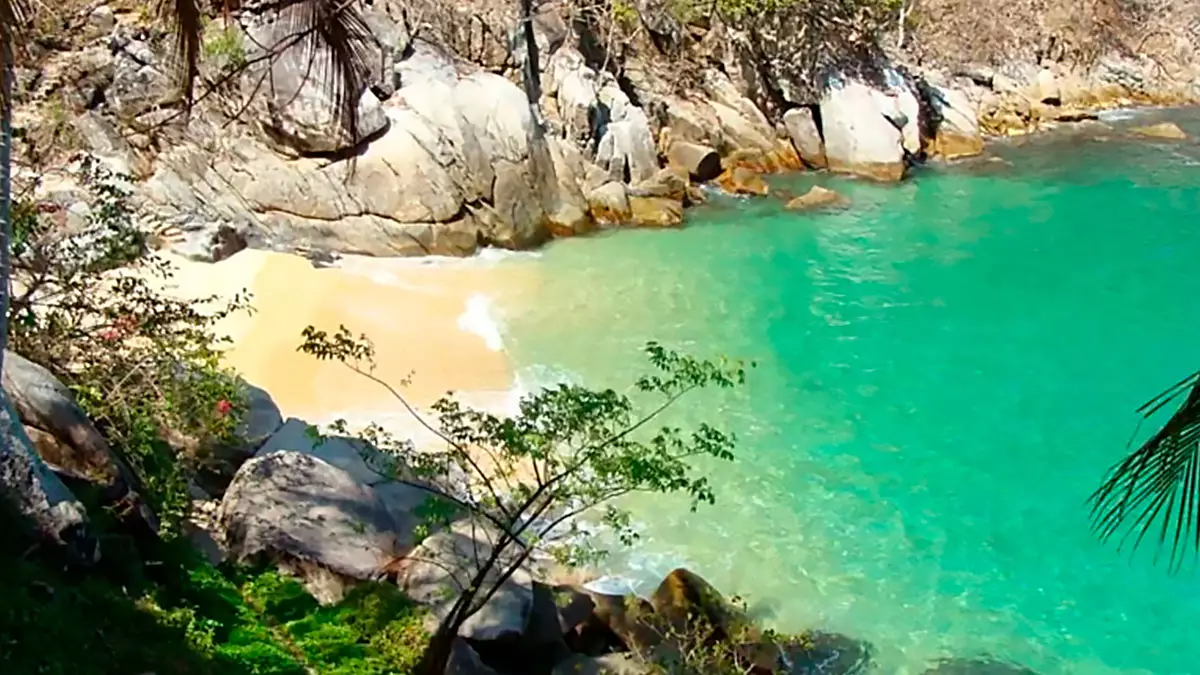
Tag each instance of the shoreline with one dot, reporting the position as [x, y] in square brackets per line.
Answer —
[431, 322]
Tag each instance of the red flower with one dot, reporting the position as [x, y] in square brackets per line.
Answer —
[224, 407]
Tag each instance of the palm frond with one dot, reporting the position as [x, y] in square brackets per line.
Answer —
[186, 20]
[12, 20]
[336, 39]
[1155, 491]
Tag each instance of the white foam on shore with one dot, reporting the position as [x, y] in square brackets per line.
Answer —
[1117, 114]
[479, 318]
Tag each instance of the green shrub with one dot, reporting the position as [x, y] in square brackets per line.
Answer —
[225, 46]
[144, 366]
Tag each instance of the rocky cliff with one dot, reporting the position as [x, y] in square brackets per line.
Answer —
[637, 102]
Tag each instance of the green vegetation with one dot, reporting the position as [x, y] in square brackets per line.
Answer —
[143, 365]
[173, 612]
[1154, 491]
[225, 46]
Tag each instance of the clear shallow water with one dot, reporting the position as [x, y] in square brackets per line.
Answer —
[945, 371]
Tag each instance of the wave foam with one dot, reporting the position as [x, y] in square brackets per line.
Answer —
[1117, 114]
[479, 318]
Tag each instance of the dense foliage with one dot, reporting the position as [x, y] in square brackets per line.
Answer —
[90, 304]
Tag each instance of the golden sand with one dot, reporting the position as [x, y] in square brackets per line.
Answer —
[411, 310]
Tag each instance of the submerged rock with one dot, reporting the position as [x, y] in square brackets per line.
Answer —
[1164, 130]
[816, 198]
[977, 667]
[818, 653]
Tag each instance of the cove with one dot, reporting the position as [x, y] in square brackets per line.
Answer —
[946, 369]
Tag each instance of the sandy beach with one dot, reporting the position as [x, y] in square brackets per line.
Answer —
[428, 319]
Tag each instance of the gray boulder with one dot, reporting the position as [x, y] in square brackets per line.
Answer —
[805, 135]
[436, 573]
[957, 133]
[308, 516]
[39, 495]
[66, 436]
[364, 464]
[860, 135]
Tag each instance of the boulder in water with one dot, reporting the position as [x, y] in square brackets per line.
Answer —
[818, 653]
[742, 181]
[817, 198]
[1164, 130]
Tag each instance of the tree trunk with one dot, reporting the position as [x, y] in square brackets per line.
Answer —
[6, 140]
[532, 74]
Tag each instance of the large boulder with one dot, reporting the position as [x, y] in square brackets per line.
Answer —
[300, 108]
[684, 598]
[609, 204]
[567, 209]
[861, 134]
[437, 572]
[62, 433]
[363, 464]
[957, 134]
[628, 618]
[310, 517]
[905, 109]
[806, 136]
[39, 495]
[626, 150]
[461, 164]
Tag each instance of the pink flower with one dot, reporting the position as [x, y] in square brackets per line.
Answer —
[224, 407]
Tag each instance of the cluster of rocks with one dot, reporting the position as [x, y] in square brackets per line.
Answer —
[449, 155]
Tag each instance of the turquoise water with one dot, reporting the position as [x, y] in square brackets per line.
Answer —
[946, 369]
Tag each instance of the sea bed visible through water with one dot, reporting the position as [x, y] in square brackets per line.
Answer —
[945, 370]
